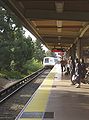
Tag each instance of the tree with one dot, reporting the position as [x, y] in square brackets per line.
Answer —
[6, 39]
[39, 53]
[23, 52]
[14, 47]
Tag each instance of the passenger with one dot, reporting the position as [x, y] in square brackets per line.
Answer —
[83, 70]
[78, 73]
[72, 69]
[63, 65]
[67, 67]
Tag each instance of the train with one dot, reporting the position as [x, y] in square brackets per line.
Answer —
[49, 61]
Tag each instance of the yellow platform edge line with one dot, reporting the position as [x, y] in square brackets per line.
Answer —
[30, 118]
[39, 101]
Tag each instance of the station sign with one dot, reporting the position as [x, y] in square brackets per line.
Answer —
[57, 50]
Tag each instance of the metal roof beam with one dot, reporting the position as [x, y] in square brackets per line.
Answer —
[59, 27]
[53, 15]
[52, 0]
[82, 32]
[63, 41]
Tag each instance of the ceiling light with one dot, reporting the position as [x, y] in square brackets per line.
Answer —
[59, 25]
[59, 37]
[59, 6]
[59, 43]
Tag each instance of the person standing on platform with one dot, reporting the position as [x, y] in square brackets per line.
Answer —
[63, 64]
[72, 69]
[83, 69]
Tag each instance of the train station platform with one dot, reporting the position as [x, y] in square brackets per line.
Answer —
[57, 99]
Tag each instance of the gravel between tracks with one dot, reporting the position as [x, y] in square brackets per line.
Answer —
[11, 107]
[4, 83]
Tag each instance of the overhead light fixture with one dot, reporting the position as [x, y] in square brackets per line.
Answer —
[59, 6]
[59, 38]
[59, 9]
[59, 26]
[59, 30]
[59, 23]
[59, 43]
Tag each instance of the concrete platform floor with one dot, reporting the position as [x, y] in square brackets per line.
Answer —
[67, 102]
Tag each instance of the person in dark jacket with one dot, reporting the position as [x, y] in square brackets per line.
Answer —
[72, 69]
[83, 69]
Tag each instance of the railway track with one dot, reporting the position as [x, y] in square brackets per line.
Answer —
[13, 99]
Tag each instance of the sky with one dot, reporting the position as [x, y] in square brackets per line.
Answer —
[27, 33]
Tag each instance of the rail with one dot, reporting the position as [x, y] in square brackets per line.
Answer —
[6, 93]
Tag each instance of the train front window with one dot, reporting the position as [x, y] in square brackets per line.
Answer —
[47, 60]
[56, 60]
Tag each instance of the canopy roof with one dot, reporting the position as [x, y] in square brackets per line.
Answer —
[57, 23]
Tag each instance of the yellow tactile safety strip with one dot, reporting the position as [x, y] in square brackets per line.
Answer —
[30, 118]
[39, 101]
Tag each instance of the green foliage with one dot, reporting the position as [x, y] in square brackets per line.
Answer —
[13, 45]
[17, 51]
[23, 52]
[11, 74]
[14, 75]
[9, 27]
[2, 75]
[39, 53]
[32, 66]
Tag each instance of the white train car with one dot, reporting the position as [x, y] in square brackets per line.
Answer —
[49, 61]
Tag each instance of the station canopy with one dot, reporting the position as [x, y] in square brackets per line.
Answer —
[57, 23]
